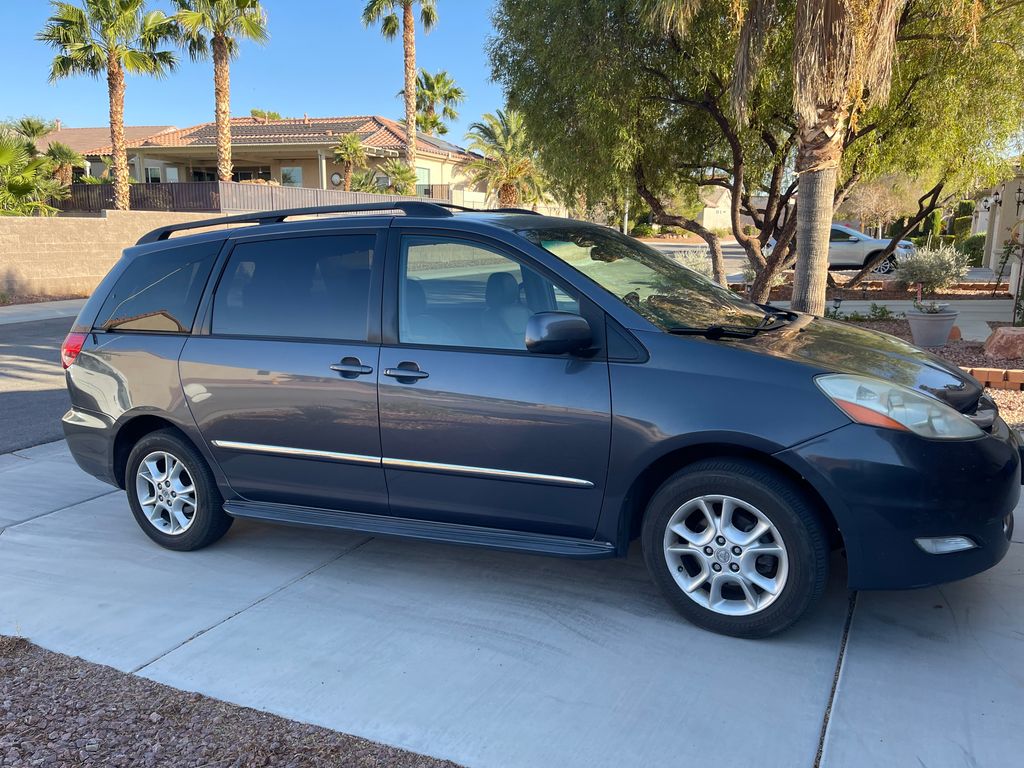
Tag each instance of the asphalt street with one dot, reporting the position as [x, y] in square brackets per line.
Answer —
[32, 393]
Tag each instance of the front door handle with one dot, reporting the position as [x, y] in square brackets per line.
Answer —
[406, 372]
[351, 367]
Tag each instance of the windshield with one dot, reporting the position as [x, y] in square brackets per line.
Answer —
[666, 293]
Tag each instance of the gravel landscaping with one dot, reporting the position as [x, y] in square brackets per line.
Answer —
[1011, 406]
[57, 710]
[969, 354]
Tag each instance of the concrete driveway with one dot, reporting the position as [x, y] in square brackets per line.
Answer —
[495, 659]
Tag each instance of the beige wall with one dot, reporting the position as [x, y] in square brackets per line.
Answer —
[69, 255]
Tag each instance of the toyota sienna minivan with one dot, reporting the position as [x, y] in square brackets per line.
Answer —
[529, 384]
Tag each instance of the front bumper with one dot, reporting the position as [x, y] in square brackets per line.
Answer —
[888, 488]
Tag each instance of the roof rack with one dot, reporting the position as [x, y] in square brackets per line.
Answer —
[455, 207]
[408, 207]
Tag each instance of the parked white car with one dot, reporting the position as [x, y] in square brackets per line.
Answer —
[850, 249]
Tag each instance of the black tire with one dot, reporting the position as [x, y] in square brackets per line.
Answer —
[208, 522]
[784, 506]
[886, 267]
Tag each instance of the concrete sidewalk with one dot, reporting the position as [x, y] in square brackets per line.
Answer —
[42, 310]
[496, 659]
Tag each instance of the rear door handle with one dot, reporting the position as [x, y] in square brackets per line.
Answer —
[350, 367]
[406, 372]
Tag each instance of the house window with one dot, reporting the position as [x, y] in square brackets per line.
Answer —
[291, 175]
[152, 175]
[171, 175]
[422, 181]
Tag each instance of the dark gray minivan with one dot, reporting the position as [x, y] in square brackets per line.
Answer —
[531, 384]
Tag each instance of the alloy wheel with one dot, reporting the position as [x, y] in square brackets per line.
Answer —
[726, 555]
[166, 493]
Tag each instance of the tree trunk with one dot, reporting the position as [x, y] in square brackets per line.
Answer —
[508, 196]
[348, 177]
[222, 105]
[819, 154]
[118, 150]
[409, 44]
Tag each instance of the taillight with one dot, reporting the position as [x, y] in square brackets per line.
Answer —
[71, 347]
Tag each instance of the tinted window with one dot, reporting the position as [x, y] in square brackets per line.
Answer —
[839, 236]
[663, 291]
[459, 294]
[310, 287]
[159, 291]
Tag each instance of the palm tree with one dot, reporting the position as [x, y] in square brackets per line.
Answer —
[64, 160]
[385, 12]
[366, 182]
[31, 129]
[401, 178]
[217, 26]
[509, 166]
[25, 181]
[349, 154]
[433, 91]
[109, 37]
[842, 63]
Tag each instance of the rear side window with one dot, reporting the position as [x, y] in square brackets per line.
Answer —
[305, 287]
[159, 291]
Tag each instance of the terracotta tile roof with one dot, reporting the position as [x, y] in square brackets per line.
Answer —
[374, 131]
[89, 141]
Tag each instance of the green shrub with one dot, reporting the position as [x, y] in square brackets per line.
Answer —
[973, 248]
[934, 268]
[697, 259]
[643, 229]
[964, 208]
[933, 224]
[962, 227]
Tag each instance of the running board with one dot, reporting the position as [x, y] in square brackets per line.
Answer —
[447, 533]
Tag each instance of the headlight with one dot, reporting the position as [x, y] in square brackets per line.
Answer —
[881, 404]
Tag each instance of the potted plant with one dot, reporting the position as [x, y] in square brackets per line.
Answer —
[931, 323]
[931, 270]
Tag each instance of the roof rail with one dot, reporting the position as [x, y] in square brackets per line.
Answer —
[455, 207]
[408, 207]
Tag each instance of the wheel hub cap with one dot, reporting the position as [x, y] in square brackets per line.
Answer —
[726, 555]
[166, 493]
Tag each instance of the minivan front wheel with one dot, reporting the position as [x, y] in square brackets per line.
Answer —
[173, 494]
[735, 547]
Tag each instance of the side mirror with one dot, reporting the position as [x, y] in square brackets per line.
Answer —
[555, 333]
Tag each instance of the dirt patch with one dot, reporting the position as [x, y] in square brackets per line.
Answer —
[56, 710]
[969, 354]
[20, 298]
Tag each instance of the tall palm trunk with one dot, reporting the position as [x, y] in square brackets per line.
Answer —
[409, 44]
[348, 177]
[508, 196]
[119, 152]
[222, 105]
[819, 154]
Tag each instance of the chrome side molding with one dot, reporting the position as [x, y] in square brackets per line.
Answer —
[420, 466]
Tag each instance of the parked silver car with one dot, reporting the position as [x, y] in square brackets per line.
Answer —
[850, 249]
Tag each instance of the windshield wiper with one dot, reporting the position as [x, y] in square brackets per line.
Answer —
[716, 331]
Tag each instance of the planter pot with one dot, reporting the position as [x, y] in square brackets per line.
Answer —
[931, 329]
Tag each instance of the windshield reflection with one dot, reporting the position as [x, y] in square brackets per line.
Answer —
[666, 293]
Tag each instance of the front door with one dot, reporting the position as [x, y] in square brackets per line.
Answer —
[284, 387]
[475, 429]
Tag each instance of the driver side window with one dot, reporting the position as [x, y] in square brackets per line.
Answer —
[455, 293]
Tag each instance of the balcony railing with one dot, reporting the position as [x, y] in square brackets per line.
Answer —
[226, 197]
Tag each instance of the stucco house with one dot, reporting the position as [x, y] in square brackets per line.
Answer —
[94, 143]
[296, 152]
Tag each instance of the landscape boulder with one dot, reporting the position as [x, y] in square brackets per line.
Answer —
[1005, 343]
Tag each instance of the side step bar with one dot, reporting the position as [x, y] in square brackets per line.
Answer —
[447, 533]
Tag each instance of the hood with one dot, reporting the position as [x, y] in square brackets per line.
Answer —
[845, 348]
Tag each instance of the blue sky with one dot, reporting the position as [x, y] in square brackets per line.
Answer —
[320, 61]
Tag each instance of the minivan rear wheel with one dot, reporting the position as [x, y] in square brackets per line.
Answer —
[173, 494]
[735, 547]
